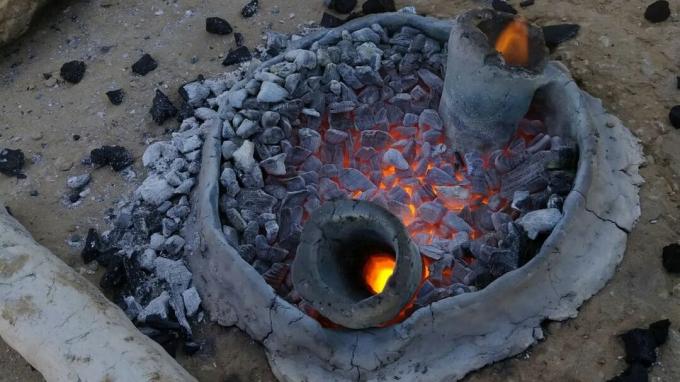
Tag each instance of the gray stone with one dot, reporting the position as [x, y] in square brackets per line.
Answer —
[185, 187]
[78, 182]
[541, 221]
[179, 212]
[174, 272]
[192, 301]
[271, 92]
[237, 97]
[275, 165]
[146, 259]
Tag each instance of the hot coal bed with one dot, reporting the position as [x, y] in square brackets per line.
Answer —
[357, 119]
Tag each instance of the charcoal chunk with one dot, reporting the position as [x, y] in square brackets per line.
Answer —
[557, 34]
[73, 71]
[671, 258]
[658, 11]
[217, 25]
[503, 6]
[115, 156]
[343, 6]
[115, 96]
[11, 162]
[250, 9]
[144, 65]
[237, 56]
[330, 21]
[378, 6]
[674, 115]
[162, 108]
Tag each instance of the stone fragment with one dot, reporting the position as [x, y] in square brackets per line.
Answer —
[540, 221]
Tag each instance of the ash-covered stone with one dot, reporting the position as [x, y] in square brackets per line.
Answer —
[540, 221]
[73, 71]
[195, 93]
[158, 308]
[217, 25]
[115, 156]
[144, 65]
[271, 92]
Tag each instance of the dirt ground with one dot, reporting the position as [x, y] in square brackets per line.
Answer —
[618, 56]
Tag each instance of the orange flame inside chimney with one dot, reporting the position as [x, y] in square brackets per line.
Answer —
[513, 43]
[377, 271]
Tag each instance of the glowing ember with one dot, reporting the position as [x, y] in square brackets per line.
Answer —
[377, 271]
[513, 43]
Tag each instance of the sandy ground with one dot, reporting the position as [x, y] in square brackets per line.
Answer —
[618, 57]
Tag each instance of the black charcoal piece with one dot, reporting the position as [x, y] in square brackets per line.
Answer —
[556, 34]
[343, 6]
[11, 162]
[237, 56]
[217, 25]
[377, 6]
[671, 258]
[674, 116]
[115, 96]
[73, 71]
[658, 11]
[526, 3]
[250, 9]
[162, 109]
[115, 156]
[144, 65]
[330, 21]
[640, 344]
[503, 6]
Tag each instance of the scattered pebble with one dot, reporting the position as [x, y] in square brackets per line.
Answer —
[11, 162]
[671, 258]
[250, 9]
[73, 71]
[115, 156]
[503, 6]
[162, 108]
[144, 65]
[674, 116]
[217, 25]
[115, 96]
[658, 11]
[237, 56]
[556, 34]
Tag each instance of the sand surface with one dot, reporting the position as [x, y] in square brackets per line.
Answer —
[618, 56]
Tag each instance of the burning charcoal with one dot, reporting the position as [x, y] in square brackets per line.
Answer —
[256, 200]
[674, 115]
[330, 21]
[162, 108]
[540, 221]
[73, 71]
[335, 137]
[115, 96]
[394, 158]
[342, 107]
[272, 135]
[482, 218]
[295, 183]
[499, 221]
[11, 162]
[455, 222]
[495, 203]
[309, 139]
[437, 177]
[237, 56]
[429, 119]
[289, 109]
[275, 165]
[368, 76]
[530, 176]
[229, 181]
[354, 180]
[363, 118]
[658, 11]
[302, 58]
[557, 34]
[217, 25]
[276, 275]
[431, 212]
[250, 9]
[503, 6]
[508, 161]
[115, 156]
[349, 76]
[539, 143]
[671, 258]
[521, 201]
[235, 219]
[144, 65]
[375, 139]
[378, 6]
[297, 155]
[158, 307]
[369, 96]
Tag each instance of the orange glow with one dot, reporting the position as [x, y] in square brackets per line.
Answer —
[377, 271]
[513, 43]
[412, 208]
